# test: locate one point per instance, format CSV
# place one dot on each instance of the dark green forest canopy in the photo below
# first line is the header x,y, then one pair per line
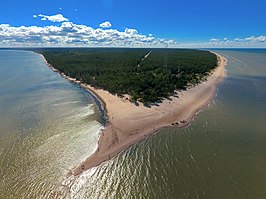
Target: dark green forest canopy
x,y
147,75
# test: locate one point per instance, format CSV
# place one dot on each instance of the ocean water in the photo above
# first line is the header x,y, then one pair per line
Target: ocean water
x,y
48,124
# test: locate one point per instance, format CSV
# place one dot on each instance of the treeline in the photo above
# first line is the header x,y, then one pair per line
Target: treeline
x,y
127,71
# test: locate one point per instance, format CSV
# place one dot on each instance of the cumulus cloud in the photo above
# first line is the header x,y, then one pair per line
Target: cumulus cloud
x,y
53,18
106,24
214,40
246,42
253,41
256,39
131,31
74,35
70,34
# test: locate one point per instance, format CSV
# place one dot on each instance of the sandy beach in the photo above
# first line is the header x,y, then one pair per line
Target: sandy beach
x,y
128,124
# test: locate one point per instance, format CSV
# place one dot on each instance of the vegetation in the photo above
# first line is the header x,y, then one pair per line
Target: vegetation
x,y
147,75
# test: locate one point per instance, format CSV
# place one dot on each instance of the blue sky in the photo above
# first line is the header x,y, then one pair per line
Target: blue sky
x,y
180,23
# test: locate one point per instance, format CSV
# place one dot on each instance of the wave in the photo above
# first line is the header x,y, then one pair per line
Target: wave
x,y
65,103
83,111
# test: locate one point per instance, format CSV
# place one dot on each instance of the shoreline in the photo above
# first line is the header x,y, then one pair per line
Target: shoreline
x,y
128,124
93,94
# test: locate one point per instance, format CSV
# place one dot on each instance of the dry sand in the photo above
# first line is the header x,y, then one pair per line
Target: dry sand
x,y
128,124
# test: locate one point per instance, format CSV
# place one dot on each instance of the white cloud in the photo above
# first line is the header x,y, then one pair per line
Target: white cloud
x,y
106,24
70,34
246,42
53,18
238,39
256,39
131,31
253,41
214,40
75,35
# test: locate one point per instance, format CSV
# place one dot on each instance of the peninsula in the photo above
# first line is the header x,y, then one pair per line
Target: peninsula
x,y
142,90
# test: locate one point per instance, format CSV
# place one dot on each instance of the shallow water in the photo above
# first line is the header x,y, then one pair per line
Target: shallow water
x,y
47,126
46,123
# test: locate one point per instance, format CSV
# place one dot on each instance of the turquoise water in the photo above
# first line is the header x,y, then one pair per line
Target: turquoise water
x,y
48,125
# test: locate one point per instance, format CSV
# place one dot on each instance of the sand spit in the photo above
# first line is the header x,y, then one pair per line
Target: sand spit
x,y
128,124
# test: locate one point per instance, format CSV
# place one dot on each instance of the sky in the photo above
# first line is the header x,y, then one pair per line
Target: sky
x,y
133,23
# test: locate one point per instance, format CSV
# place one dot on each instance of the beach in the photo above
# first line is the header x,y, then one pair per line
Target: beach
x,y
128,123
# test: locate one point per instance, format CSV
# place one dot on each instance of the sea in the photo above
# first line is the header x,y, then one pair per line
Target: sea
x,y
48,125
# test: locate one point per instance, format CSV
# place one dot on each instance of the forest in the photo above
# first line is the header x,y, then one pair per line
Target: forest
x,y
147,75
